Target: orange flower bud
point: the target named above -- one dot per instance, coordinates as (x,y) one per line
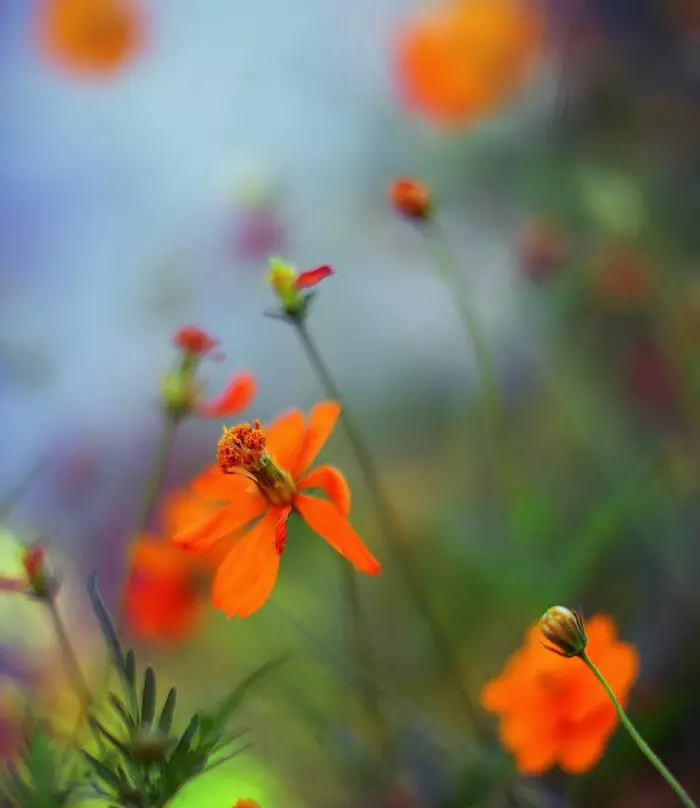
(41,583)
(194,341)
(564,629)
(244,802)
(411,198)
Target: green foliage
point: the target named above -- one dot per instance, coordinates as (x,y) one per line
(144,763)
(37,778)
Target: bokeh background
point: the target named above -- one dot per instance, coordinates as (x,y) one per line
(149,196)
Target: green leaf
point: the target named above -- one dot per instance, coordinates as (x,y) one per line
(120,746)
(131,667)
(186,739)
(165,721)
(107,625)
(40,761)
(110,777)
(148,699)
(229,705)
(120,707)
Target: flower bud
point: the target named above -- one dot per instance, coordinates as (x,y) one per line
(411,198)
(149,744)
(245,802)
(41,583)
(563,629)
(292,287)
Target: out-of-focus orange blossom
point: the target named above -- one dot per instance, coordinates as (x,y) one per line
(90,37)
(552,709)
(460,59)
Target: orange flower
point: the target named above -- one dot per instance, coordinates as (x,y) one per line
(245,802)
(553,711)
(165,590)
(90,36)
(459,60)
(258,483)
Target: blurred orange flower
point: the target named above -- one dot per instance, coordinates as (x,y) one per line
(461,59)
(244,802)
(257,485)
(622,276)
(90,36)
(166,588)
(553,711)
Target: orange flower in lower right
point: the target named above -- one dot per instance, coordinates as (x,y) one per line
(552,709)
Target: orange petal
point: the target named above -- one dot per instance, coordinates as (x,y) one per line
(201,535)
(586,743)
(284,438)
(312,276)
(536,758)
(329,522)
(322,420)
(333,485)
(236,397)
(247,575)
(215,486)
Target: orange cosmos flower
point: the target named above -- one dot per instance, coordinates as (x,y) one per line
(166,587)
(90,36)
(258,482)
(459,60)
(553,711)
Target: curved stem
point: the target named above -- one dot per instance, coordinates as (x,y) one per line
(637,738)
(388,520)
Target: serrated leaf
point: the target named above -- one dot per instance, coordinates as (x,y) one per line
(165,722)
(108,630)
(148,698)
(102,771)
(227,707)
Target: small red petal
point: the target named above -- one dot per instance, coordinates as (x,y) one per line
(194,340)
(236,397)
(281,530)
(34,559)
(312,276)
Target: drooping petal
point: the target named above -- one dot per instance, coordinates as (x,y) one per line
(329,522)
(201,535)
(284,438)
(235,397)
(247,575)
(215,486)
(312,276)
(322,419)
(333,484)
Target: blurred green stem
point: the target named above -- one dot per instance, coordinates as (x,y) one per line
(72,666)
(388,521)
(637,738)
(148,503)
(448,267)
(151,491)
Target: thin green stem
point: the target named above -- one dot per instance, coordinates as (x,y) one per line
(637,738)
(366,659)
(151,491)
(388,520)
(148,503)
(72,665)
(448,267)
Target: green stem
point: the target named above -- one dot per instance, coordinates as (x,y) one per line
(448,267)
(366,659)
(148,503)
(150,494)
(73,667)
(388,520)
(637,738)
